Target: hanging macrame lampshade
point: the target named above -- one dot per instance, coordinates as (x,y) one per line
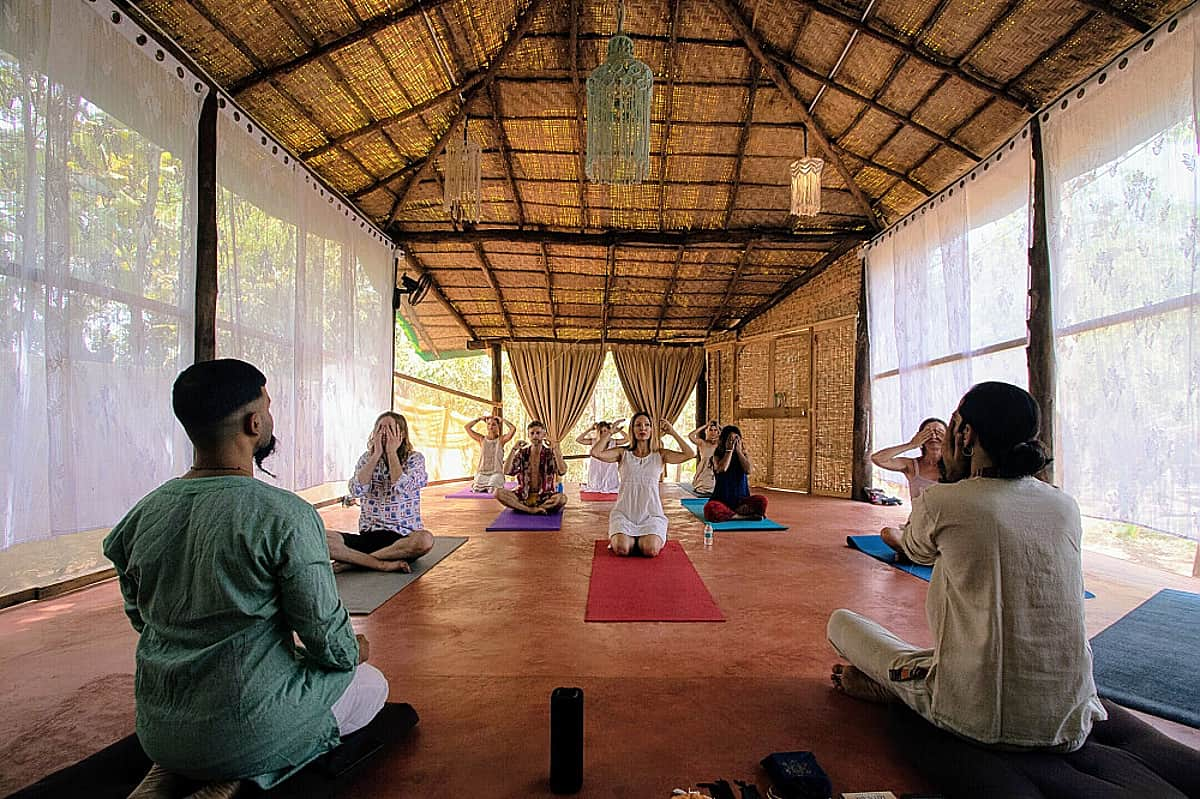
(806,183)
(618,115)
(463,191)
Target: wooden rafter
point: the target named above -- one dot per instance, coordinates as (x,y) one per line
(438,293)
(666,145)
(607,238)
(236,41)
(795,283)
(580,131)
(366,30)
(977,42)
(729,287)
(666,300)
(609,267)
(489,274)
(386,179)
(743,138)
(1124,17)
(883,87)
(522,27)
(932,19)
(873,31)
(505,151)
(789,92)
(549,288)
(1054,47)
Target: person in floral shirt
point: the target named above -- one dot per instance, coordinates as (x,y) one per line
(537,466)
(387,482)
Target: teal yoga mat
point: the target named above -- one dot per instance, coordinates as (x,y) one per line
(696,508)
(1146,659)
(874,546)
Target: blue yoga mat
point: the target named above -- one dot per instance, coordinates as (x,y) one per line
(696,507)
(1147,659)
(874,546)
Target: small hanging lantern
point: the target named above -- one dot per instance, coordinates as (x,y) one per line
(462,193)
(618,114)
(806,183)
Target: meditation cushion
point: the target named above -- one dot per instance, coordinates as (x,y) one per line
(1123,758)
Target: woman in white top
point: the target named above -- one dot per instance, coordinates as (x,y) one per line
(705,438)
(637,522)
(920,472)
(602,476)
(490,475)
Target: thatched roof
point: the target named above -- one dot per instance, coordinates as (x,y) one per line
(899,96)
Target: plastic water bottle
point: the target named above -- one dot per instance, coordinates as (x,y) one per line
(708,535)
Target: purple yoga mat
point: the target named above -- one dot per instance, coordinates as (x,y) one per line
(467,493)
(509,519)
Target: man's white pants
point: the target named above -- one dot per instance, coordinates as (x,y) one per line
(875,651)
(364,697)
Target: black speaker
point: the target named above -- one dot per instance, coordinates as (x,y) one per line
(566,740)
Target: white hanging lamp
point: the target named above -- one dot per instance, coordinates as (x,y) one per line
(806,183)
(618,114)
(462,193)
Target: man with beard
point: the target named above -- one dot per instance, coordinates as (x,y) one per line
(1011,665)
(220,572)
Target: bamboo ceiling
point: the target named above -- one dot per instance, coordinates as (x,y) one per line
(899,96)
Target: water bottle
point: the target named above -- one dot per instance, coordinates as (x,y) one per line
(708,535)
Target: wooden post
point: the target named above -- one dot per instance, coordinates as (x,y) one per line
(1040,352)
(205,340)
(497,379)
(702,395)
(860,470)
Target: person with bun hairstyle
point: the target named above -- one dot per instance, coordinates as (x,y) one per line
(1010,665)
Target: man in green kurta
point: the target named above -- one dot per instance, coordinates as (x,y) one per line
(220,572)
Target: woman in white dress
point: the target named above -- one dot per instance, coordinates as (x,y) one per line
(637,523)
(490,475)
(602,476)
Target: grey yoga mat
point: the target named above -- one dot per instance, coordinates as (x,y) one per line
(362,591)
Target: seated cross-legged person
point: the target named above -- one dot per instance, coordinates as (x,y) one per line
(537,465)
(220,572)
(637,523)
(387,482)
(1011,665)
(490,474)
(731,497)
(705,438)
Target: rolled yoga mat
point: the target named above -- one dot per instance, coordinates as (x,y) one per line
(874,546)
(596,496)
(511,521)
(467,493)
(636,588)
(696,507)
(363,591)
(1146,659)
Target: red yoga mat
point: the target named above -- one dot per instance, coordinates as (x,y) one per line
(634,588)
(593,496)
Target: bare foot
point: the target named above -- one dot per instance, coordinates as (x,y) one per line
(341,566)
(395,566)
(852,682)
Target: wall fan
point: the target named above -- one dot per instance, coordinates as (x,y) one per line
(415,290)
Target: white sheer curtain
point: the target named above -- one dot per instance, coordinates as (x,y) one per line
(305,295)
(97,224)
(1122,206)
(947,295)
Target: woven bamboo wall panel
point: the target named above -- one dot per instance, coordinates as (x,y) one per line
(791,437)
(833,409)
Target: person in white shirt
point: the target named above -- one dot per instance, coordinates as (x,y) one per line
(1011,665)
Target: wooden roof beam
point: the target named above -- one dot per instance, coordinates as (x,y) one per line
(666,300)
(789,92)
(549,289)
(729,287)
(608,238)
(580,130)
(875,32)
(1122,16)
(366,30)
(522,27)
(609,267)
(670,71)
(490,275)
(1053,48)
(438,293)
(795,283)
(505,152)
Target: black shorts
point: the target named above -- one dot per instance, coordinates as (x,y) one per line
(370,541)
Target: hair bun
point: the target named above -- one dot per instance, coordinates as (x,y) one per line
(1025,459)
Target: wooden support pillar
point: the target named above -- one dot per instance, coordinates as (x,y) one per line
(1040,352)
(702,395)
(205,331)
(860,470)
(497,379)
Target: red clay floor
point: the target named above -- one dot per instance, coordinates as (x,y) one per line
(478,644)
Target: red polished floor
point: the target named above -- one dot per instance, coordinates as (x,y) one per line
(478,644)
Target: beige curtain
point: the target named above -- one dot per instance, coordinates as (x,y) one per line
(555,381)
(658,380)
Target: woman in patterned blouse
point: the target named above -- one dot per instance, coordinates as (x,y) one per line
(387,482)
